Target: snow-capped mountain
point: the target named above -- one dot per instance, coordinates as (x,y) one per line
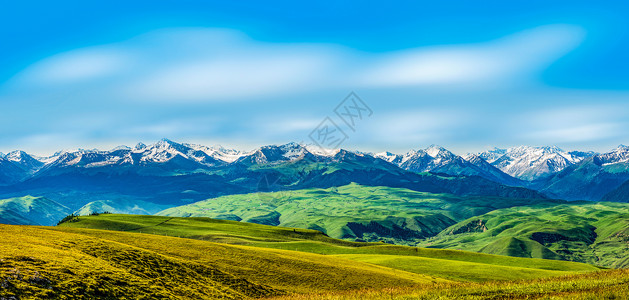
(430,159)
(530,163)
(158,153)
(618,155)
(492,155)
(24,161)
(390,157)
(592,178)
(9,172)
(499,165)
(274,154)
(437,159)
(492,172)
(422,160)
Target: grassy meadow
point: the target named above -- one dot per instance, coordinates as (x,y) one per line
(110,256)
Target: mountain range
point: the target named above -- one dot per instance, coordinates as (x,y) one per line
(149,178)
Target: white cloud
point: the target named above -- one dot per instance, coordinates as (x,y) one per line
(583,133)
(201,64)
(573,124)
(229,78)
(514,57)
(77,66)
(419,127)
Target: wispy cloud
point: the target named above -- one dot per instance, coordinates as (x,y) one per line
(519,56)
(77,67)
(207,82)
(197,64)
(574,124)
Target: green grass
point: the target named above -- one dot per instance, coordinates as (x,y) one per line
(454,269)
(303,240)
(353,212)
(225,231)
(595,233)
(156,257)
(87,263)
(36,263)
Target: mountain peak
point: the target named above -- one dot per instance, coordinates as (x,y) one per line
(552,149)
(621,147)
(139,146)
(121,147)
(16,155)
(165,141)
(436,151)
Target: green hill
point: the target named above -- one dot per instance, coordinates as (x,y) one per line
(121,206)
(45,262)
(353,212)
(595,233)
(312,241)
(80,260)
(30,210)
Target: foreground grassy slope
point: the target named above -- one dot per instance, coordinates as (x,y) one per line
(611,284)
(44,262)
(445,263)
(353,212)
(596,233)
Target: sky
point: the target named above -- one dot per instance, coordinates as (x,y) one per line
(466,75)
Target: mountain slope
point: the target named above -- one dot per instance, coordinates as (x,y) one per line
(491,172)
(437,159)
(353,212)
(173,174)
(620,194)
(9,172)
(106,264)
(26,162)
(588,232)
(31,211)
(312,241)
(591,179)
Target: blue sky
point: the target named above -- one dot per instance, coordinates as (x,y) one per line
(460,74)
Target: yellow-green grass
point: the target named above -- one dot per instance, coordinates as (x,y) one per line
(41,264)
(224,231)
(610,284)
(441,254)
(455,270)
(312,241)
(45,262)
(286,270)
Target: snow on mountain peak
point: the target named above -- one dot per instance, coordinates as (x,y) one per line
(320,151)
(293,150)
(621,147)
(139,146)
(529,163)
(387,156)
(17,155)
(121,147)
(435,150)
(618,155)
